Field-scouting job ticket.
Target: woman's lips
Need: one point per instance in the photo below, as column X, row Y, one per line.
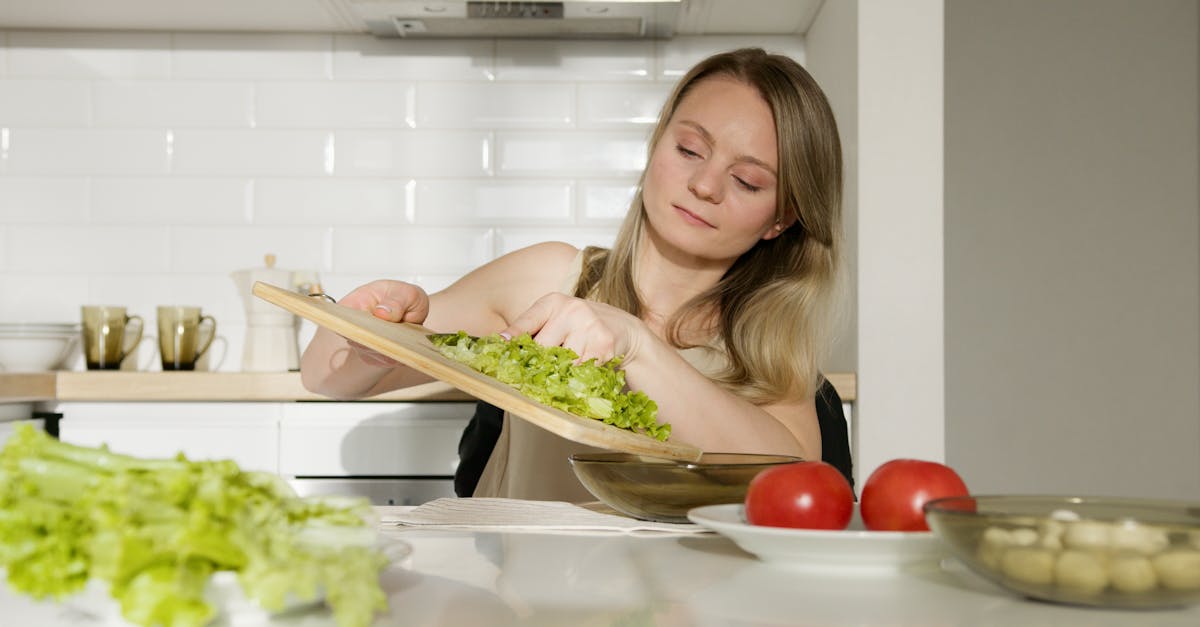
column 692, row 218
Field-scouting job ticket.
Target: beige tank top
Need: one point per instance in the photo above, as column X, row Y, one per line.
column 529, row 462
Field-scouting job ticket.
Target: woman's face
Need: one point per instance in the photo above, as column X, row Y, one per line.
column 710, row 187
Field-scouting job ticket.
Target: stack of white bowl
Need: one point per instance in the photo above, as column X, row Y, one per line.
column 36, row 346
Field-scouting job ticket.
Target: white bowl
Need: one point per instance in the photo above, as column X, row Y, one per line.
column 35, row 351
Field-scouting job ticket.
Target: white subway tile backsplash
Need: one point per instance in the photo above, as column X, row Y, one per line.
column 257, row 152
column 495, row 105
column 605, row 106
column 332, row 201
column 367, row 57
column 562, row 60
column 580, row 153
column 482, row 202
column 412, row 153
column 168, row 201
column 225, row 249
column 43, row 297
column 679, row 54
column 139, row 295
column 605, row 202
column 43, row 200
column 508, row 240
column 86, row 152
column 145, row 167
column 173, row 104
column 89, row 54
column 44, row 103
column 329, row 104
column 411, row 249
column 87, row 249
column 251, row 55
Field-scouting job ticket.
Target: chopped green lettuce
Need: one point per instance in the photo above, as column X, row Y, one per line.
column 156, row 530
column 549, row 374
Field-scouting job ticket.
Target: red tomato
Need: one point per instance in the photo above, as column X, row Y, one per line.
column 809, row 495
column 894, row 494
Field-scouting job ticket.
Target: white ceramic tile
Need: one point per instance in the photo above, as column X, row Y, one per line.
column 438, row 250
column 62, row 152
column 331, row 201
column 169, row 201
column 433, row 283
column 138, row 294
column 366, row 57
column 524, row 59
column 226, row 249
column 605, row 202
column 90, row 249
column 677, row 55
column 3, row 54
column 178, row 104
column 508, row 240
column 3, row 237
column 495, row 105
column 621, row 105
column 255, row 152
column 485, row 202
column 43, row 200
column 273, row 56
column 412, row 153
column 43, row 297
column 44, row 103
column 583, row 153
column 330, row 104
column 80, row 54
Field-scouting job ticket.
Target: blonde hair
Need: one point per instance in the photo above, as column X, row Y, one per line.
column 775, row 304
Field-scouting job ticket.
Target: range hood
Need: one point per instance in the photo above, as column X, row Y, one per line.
column 478, row 18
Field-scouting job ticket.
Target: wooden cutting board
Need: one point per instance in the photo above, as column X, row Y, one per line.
column 408, row 344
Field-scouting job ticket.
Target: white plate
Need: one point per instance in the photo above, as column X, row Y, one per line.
column 852, row 549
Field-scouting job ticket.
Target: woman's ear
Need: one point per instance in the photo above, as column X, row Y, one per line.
column 778, row 228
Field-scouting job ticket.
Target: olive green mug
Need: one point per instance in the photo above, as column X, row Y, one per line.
column 109, row 335
column 184, row 334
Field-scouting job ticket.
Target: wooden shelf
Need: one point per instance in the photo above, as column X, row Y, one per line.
column 86, row 386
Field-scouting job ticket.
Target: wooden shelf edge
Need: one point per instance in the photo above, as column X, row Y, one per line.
column 86, row 386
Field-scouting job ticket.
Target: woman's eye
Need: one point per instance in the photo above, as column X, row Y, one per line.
column 748, row 187
column 685, row 152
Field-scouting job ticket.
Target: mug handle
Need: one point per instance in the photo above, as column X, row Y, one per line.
column 130, row 345
column 212, row 334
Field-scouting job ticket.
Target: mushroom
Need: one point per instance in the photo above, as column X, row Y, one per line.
column 1028, row 564
column 1081, row 571
column 1179, row 569
column 1132, row 573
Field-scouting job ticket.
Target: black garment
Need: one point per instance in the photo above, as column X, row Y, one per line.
column 479, row 438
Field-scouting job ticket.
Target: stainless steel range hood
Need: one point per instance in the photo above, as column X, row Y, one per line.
column 565, row 18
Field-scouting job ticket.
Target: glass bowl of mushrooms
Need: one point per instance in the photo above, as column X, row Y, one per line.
column 1094, row 551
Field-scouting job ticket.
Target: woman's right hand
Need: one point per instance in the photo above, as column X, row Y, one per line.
column 394, row 301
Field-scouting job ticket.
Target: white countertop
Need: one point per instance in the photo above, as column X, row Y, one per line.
column 488, row 578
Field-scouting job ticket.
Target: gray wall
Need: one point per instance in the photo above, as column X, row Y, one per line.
column 1073, row 246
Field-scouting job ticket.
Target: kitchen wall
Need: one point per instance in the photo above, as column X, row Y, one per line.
column 1072, row 249
column 142, row 168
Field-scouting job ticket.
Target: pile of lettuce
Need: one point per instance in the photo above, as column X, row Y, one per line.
column 156, row 530
column 549, row 374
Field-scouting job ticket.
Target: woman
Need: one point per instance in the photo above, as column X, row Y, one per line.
column 718, row 290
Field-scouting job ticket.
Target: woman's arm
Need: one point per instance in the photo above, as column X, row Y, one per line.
column 711, row 418
column 480, row 303
column 701, row 412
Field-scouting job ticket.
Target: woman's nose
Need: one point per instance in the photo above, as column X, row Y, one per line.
column 707, row 184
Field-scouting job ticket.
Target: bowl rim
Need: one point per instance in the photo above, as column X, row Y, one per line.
column 953, row 505
column 645, row 461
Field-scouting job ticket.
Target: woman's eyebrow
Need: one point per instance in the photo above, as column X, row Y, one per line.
column 699, row 128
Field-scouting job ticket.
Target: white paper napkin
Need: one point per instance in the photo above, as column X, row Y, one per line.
column 520, row 515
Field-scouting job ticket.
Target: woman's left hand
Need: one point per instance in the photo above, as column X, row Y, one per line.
column 592, row 330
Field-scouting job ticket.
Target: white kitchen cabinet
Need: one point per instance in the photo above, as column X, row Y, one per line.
column 247, row 433
column 371, row 439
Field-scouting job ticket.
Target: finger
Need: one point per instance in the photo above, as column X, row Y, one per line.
column 533, row 319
